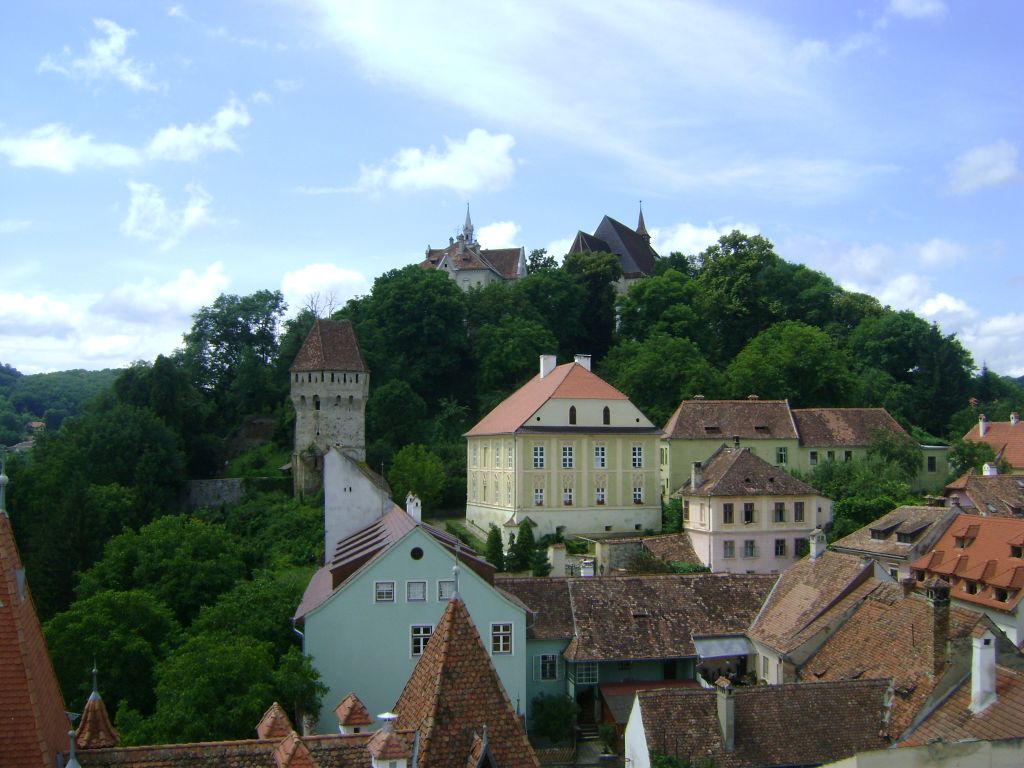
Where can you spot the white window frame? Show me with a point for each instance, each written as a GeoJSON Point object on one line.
{"type": "Point", "coordinates": [567, 496]}
{"type": "Point", "coordinates": [750, 548]}
{"type": "Point", "coordinates": [538, 497]}
{"type": "Point", "coordinates": [638, 457]}
{"type": "Point", "coordinates": [380, 591]}
{"type": "Point", "coordinates": [782, 455]}
{"type": "Point", "coordinates": [419, 635]}
{"type": "Point", "coordinates": [538, 457]}
{"type": "Point", "coordinates": [568, 457]}
{"type": "Point", "coordinates": [728, 513]}
{"type": "Point", "coordinates": [798, 511]}
{"type": "Point", "coordinates": [638, 494]}
{"type": "Point", "coordinates": [599, 495]}
{"type": "Point", "coordinates": [600, 457]}
{"type": "Point", "coordinates": [587, 673]}
{"type": "Point", "coordinates": [445, 589]}
{"type": "Point", "coordinates": [783, 553]}
{"type": "Point", "coordinates": [501, 638]}
{"type": "Point", "coordinates": [510, 457]}
{"type": "Point", "coordinates": [409, 585]}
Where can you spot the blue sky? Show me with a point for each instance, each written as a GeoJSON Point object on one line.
{"type": "Point", "coordinates": [154, 155]}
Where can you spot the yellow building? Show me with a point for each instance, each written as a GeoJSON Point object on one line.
{"type": "Point", "coordinates": [567, 450]}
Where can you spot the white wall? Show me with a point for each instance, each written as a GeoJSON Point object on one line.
{"type": "Point", "coordinates": [636, 755]}
{"type": "Point", "coordinates": [351, 499]}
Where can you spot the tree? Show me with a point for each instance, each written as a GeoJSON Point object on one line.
{"type": "Point", "coordinates": [506, 353]}
{"type": "Point", "coordinates": [560, 300]}
{"type": "Point", "coordinates": [661, 304]}
{"type": "Point", "coordinates": [520, 554]}
{"type": "Point", "coordinates": [396, 414]}
{"type": "Point", "coordinates": [597, 273]}
{"type": "Point", "coordinates": [898, 451]}
{"type": "Point", "coordinates": [540, 261]}
{"type": "Point", "coordinates": [417, 470]}
{"type": "Point", "coordinates": [539, 563]}
{"type": "Point", "coordinates": [554, 716]}
{"type": "Point", "coordinates": [493, 549]}
{"type": "Point", "coordinates": [969, 456]}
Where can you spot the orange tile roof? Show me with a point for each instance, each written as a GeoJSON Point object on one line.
{"type": "Point", "coordinates": [454, 693]}
{"type": "Point", "coordinates": [352, 711]}
{"type": "Point", "coordinates": [569, 381]}
{"type": "Point", "coordinates": [1006, 439]}
{"type": "Point", "coordinates": [94, 729]}
{"type": "Point", "coordinates": [275, 723]}
{"type": "Point", "coordinates": [954, 721]}
{"type": "Point", "coordinates": [330, 346]}
{"type": "Point", "coordinates": [502, 261]}
{"type": "Point", "coordinates": [35, 727]}
{"type": "Point", "coordinates": [985, 560]}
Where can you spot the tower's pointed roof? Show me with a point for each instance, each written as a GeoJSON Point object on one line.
{"type": "Point", "coordinates": [330, 346]}
{"type": "Point", "coordinates": [94, 729]}
{"type": "Point", "coordinates": [641, 228]}
{"type": "Point", "coordinates": [351, 711]}
{"type": "Point", "coordinates": [35, 726]}
{"type": "Point", "coordinates": [467, 228]}
{"type": "Point", "coordinates": [454, 693]}
{"type": "Point", "coordinates": [275, 723]}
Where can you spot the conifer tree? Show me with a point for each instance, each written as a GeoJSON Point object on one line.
{"type": "Point", "coordinates": [520, 555]}
{"type": "Point", "coordinates": [493, 549]}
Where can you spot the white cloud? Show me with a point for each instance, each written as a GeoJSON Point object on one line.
{"type": "Point", "coordinates": [106, 58]}
{"type": "Point", "coordinates": [190, 142]}
{"type": "Point", "coordinates": [481, 162]}
{"type": "Point", "coordinates": [260, 97]}
{"type": "Point", "coordinates": [171, 302]}
{"type": "Point", "coordinates": [9, 226]}
{"type": "Point", "coordinates": [149, 217]}
{"type": "Point", "coordinates": [559, 248]}
{"type": "Point", "coordinates": [323, 279]}
{"type": "Point", "coordinates": [53, 146]}
{"type": "Point", "coordinates": [35, 315]}
{"type": "Point", "coordinates": [287, 86]}
{"type": "Point", "coordinates": [999, 342]}
{"type": "Point", "coordinates": [500, 234]}
{"type": "Point", "coordinates": [940, 253]}
{"type": "Point", "coordinates": [691, 239]}
{"type": "Point", "coordinates": [986, 166]}
{"type": "Point", "coordinates": [942, 305]}
{"type": "Point", "coordinates": [917, 9]}
{"type": "Point", "coordinates": [178, 12]}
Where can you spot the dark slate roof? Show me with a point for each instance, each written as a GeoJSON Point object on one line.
{"type": "Point", "coordinates": [724, 419]}
{"type": "Point", "coordinates": [843, 427]}
{"type": "Point", "coordinates": [641, 617]}
{"type": "Point", "coordinates": [454, 693]}
{"type": "Point", "coordinates": [774, 724]}
{"type": "Point", "coordinates": [738, 472]}
{"type": "Point", "coordinates": [881, 537]}
{"type": "Point", "coordinates": [330, 346]}
{"type": "Point", "coordinates": [634, 251]}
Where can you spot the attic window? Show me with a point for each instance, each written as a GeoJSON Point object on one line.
{"type": "Point", "coordinates": [961, 542]}
{"type": "Point", "coordinates": [908, 537]}
{"type": "Point", "coordinates": [991, 508]}
{"type": "Point", "coordinates": [760, 428]}
{"type": "Point", "coordinates": [712, 428]}
{"type": "Point", "coordinates": [1001, 595]}
{"type": "Point", "coordinates": [416, 553]}
{"type": "Point", "coordinates": [878, 534]}
{"type": "Point", "coordinates": [971, 587]}
{"type": "Point", "coordinates": [1016, 550]}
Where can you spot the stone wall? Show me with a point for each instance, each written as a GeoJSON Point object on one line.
{"type": "Point", "coordinates": [214, 493]}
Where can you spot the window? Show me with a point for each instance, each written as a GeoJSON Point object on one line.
{"type": "Point", "coordinates": [501, 638]}
{"type": "Point", "coordinates": [538, 457]}
{"type": "Point", "coordinates": [316, 402]}
{"type": "Point", "coordinates": [475, 449]}
{"type": "Point", "coordinates": [567, 457]}
{"type": "Point", "coordinates": [971, 587]}
{"type": "Point", "coordinates": [497, 457]}
{"type": "Point", "coordinates": [1016, 550]}
{"type": "Point", "coordinates": [638, 494]}
{"type": "Point", "coordinates": [599, 495]}
{"type": "Point", "coordinates": [764, 667]}
{"type": "Point", "coordinates": [686, 509]}
{"type": "Point", "coordinates": [894, 573]}
{"type": "Point", "coordinates": [729, 548]}
{"type": "Point", "coordinates": [567, 496]}
{"type": "Point", "coordinates": [780, 547]}
{"type": "Point", "coordinates": [445, 589]}
{"type": "Point", "coordinates": [420, 635]}
{"type": "Point", "coordinates": [748, 512]}
{"type": "Point", "coordinates": [814, 458]}
{"type": "Point", "coordinates": [510, 457]}
{"type": "Point", "coordinates": [779, 513]}
{"type": "Point", "coordinates": [508, 494]}
{"type": "Point", "coordinates": [545, 666]}
{"type": "Point", "coordinates": [798, 511]}
{"type": "Point", "coordinates": [847, 455]}
{"type": "Point", "coordinates": [606, 416]}
{"type": "Point", "coordinates": [1001, 595]}
{"type": "Point", "coordinates": [727, 513]}
{"type": "Point", "coordinates": [830, 455]}
{"type": "Point", "coordinates": [801, 547]}
{"type": "Point", "coordinates": [932, 464]}
{"type": "Point", "coordinates": [664, 455]}
{"type": "Point", "coordinates": [599, 457]}
{"type": "Point", "coordinates": [638, 456]}
{"type": "Point", "coordinates": [572, 414]}
{"type": "Point", "coordinates": [781, 455]}
{"type": "Point", "coordinates": [415, 591]}
{"type": "Point", "coordinates": [749, 548]}
{"type": "Point", "coordinates": [384, 592]}
{"type": "Point", "coordinates": [538, 497]}
{"type": "Point", "coordinates": [586, 673]}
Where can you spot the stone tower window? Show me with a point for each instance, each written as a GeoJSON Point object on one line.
{"type": "Point", "coordinates": [316, 402]}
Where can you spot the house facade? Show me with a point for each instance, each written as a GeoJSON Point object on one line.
{"type": "Point", "coordinates": [471, 266]}
{"type": "Point", "coordinates": [568, 451]}
{"type": "Point", "coordinates": [744, 515]}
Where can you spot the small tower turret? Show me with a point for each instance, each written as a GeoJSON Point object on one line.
{"type": "Point", "coordinates": [467, 228]}
{"type": "Point", "coordinates": [641, 228]}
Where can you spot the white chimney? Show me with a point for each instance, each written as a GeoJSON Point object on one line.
{"type": "Point", "coordinates": [414, 507]}
{"type": "Point", "coordinates": [547, 364]}
{"type": "Point", "coordinates": [583, 360]}
{"type": "Point", "coordinates": [556, 556]}
{"type": "Point", "coordinates": [726, 713]}
{"type": "Point", "coordinates": [988, 469]}
{"type": "Point", "coordinates": [818, 543]}
{"type": "Point", "coordinates": [696, 475]}
{"type": "Point", "coordinates": [983, 671]}
{"type": "Point", "coordinates": [1014, 419]}
{"type": "Point", "coordinates": [982, 425]}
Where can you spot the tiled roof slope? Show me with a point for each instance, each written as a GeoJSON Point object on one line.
{"type": "Point", "coordinates": [566, 381]}
{"type": "Point", "coordinates": [985, 560]}
{"type": "Point", "coordinates": [789, 724]}
{"type": "Point", "coordinates": [641, 617]}
{"type": "Point", "coordinates": [889, 637]}
{"type": "Point", "coordinates": [739, 472]}
{"type": "Point", "coordinates": [808, 596]}
{"type": "Point", "coordinates": [635, 253]}
{"type": "Point", "coordinates": [993, 495]}
{"type": "Point", "coordinates": [453, 693]}
{"type": "Point", "coordinates": [330, 346]}
{"type": "Point", "coordinates": [882, 536]}
{"type": "Point", "coordinates": [827, 427]}
{"type": "Point", "coordinates": [502, 261]}
{"type": "Point", "coordinates": [94, 728]}
{"type": "Point", "coordinates": [35, 728]}
{"type": "Point", "coordinates": [1006, 439]}
{"type": "Point", "coordinates": [724, 419]}
{"type": "Point", "coordinates": [275, 723]}
{"type": "Point", "coordinates": [351, 711]}
{"type": "Point", "coordinates": [672, 547]}
{"type": "Point", "coordinates": [954, 721]}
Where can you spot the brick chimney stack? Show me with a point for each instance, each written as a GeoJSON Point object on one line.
{"type": "Point", "coordinates": [937, 592]}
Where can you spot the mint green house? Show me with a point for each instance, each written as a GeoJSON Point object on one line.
{"type": "Point", "coordinates": [367, 615]}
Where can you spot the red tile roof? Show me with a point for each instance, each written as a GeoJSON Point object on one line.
{"type": "Point", "coordinates": [386, 744]}
{"type": "Point", "coordinates": [739, 472]}
{"type": "Point", "coordinates": [569, 381]}
{"type": "Point", "coordinates": [35, 728]}
{"type": "Point", "coordinates": [922, 525]}
{"type": "Point", "coordinates": [275, 723]}
{"type": "Point", "coordinates": [843, 427]}
{"type": "Point", "coordinates": [351, 711]}
{"type": "Point", "coordinates": [504, 262]}
{"type": "Point", "coordinates": [724, 419]}
{"type": "Point", "coordinates": [991, 495]}
{"type": "Point", "coordinates": [330, 346]}
{"type": "Point", "coordinates": [672, 547]}
{"type": "Point", "coordinates": [1006, 439]}
{"type": "Point", "coordinates": [985, 561]}
{"type": "Point", "coordinates": [94, 729]}
{"type": "Point", "coordinates": [454, 693]}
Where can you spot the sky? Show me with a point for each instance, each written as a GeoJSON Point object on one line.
{"type": "Point", "coordinates": [155, 155]}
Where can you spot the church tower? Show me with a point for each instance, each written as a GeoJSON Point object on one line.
{"type": "Point", "coordinates": [329, 386]}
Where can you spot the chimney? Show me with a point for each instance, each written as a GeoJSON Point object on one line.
{"type": "Point", "coordinates": [414, 507]}
{"type": "Point", "coordinates": [583, 360]}
{"type": "Point", "coordinates": [1014, 419]}
{"type": "Point", "coordinates": [908, 585]}
{"type": "Point", "coordinates": [989, 469]}
{"type": "Point", "coordinates": [698, 397]}
{"type": "Point", "coordinates": [983, 671]}
{"type": "Point", "coordinates": [818, 543]}
{"type": "Point", "coordinates": [696, 475]}
{"type": "Point", "coordinates": [753, 397]}
{"type": "Point", "coordinates": [547, 364]}
{"type": "Point", "coordinates": [726, 712]}
{"type": "Point", "coordinates": [937, 592]}
{"type": "Point", "coordinates": [735, 441]}
{"type": "Point", "coordinates": [982, 425]}
{"type": "Point", "coordinates": [556, 556]}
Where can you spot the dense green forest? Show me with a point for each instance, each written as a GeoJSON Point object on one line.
{"type": "Point", "coordinates": [179, 608]}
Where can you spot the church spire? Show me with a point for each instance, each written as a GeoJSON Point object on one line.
{"type": "Point", "coordinates": [641, 228]}
{"type": "Point", "coordinates": [467, 228]}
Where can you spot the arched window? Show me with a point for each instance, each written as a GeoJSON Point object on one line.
{"type": "Point", "coordinates": [572, 414]}
{"type": "Point", "coordinates": [316, 402]}
{"type": "Point", "coordinates": [606, 416]}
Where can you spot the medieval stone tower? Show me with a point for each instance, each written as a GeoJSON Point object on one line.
{"type": "Point", "coordinates": [329, 386]}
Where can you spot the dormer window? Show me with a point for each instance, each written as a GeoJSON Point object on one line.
{"type": "Point", "coordinates": [971, 587]}
{"type": "Point", "coordinates": [1016, 550]}
{"type": "Point", "coordinates": [961, 542]}
{"type": "Point", "coordinates": [1001, 595]}
{"type": "Point", "coordinates": [878, 534]}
